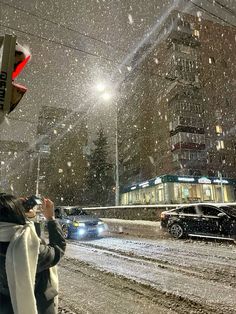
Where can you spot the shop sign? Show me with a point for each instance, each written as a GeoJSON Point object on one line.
{"type": "Point", "coordinates": [204, 180]}
{"type": "Point", "coordinates": [144, 184]}
{"type": "Point", "coordinates": [184, 179]}
{"type": "Point", "coordinates": [220, 181]}
{"type": "Point", "coordinates": [158, 180]}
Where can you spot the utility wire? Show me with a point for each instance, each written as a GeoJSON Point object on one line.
{"type": "Point", "coordinates": [60, 25]}
{"type": "Point", "coordinates": [61, 44]}
{"type": "Point", "coordinates": [222, 6]}
{"type": "Point", "coordinates": [211, 13]}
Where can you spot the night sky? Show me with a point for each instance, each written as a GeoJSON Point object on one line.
{"type": "Point", "coordinates": [74, 45]}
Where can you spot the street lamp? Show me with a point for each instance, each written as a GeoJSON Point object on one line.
{"type": "Point", "coordinates": [106, 96]}
{"type": "Point", "coordinates": [2, 179]}
{"type": "Point", "coordinates": [221, 187]}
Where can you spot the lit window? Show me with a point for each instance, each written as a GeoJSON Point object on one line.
{"type": "Point", "coordinates": [196, 33]}
{"type": "Point", "coordinates": [219, 129]}
{"type": "Point", "coordinates": [220, 145]}
{"type": "Point", "coordinates": [211, 60]}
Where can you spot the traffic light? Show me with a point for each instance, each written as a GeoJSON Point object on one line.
{"type": "Point", "coordinates": [13, 58]}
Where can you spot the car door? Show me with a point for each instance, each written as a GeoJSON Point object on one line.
{"type": "Point", "coordinates": [189, 217]}
{"type": "Point", "coordinates": [210, 221]}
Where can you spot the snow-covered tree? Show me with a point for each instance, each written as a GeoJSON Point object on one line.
{"type": "Point", "coordinates": [99, 181]}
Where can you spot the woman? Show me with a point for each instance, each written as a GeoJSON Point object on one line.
{"type": "Point", "coordinates": [28, 281]}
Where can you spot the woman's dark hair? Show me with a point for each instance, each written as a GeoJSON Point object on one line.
{"type": "Point", "coordinates": [11, 209]}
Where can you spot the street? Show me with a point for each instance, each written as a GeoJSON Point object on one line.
{"type": "Point", "coordinates": [131, 275]}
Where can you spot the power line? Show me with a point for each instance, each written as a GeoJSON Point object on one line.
{"type": "Point", "coordinates": [222, 7]}
{"type": "Point", "coordinates": [211, 13]}
{"type": "Point", "coordinates": [61, 25]}
{"type": "Point", "coordinates": [61, 44]}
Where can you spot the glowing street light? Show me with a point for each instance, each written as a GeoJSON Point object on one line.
{"type": "Point", "coordinates": [106, 96]}
{"type": "Point", "coordinates": [101, 87]}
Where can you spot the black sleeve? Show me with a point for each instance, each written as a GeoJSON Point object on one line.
{"type": "Point", "coordinates": [50, 254]}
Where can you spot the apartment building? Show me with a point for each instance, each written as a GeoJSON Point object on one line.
{"type": "Point", "coordinates": [177, 113]}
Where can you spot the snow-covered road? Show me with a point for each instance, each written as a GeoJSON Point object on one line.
{"type": "Point", "coordinates": [194, 271]}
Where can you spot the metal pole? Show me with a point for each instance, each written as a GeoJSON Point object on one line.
{"type": "Point", "coordinates": [221, 187]}
{"type": "Point", "coordinates": [38, 171]}
{"type": "Point", "coordinates": [117, 200]}
{"type": "Point", "coordinates": [222, 190]}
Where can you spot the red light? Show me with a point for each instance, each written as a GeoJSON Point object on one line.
{"type": "Point", "coordinates": [19, 67]}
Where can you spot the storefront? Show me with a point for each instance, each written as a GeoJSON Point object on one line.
{"type": "Point", "coordinates": [170, 189]}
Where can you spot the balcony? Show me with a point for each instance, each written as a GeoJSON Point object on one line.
{"type": "Point", "coordinates": [188, 145]}
{"type": "Point", "coordinates": [187, 124]}
{"type": "Point", "coordinates": [185, 140]}
{"type": "Point", "coordinates": [183, 34]}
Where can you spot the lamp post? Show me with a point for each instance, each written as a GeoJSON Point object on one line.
{"type": "Point", "coordinates": [221, 186]}
{"type": "Point", "coordinates": [106, 96]}
{"type": "Point", "coordinates": [117, 200]}
{"type": "Point", "coordinates": [2, 179]}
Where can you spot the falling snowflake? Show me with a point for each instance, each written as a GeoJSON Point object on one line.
{"type": "Point", "coordinates": [131, 21]}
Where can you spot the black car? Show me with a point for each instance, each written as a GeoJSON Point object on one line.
{"type": "Point", "coordinates": [77, 223]}
{"type": "Point", "coordinates": [201, 220]}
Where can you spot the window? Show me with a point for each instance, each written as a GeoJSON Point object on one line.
{"type": "Point", "coordinates": [222, 159]}
{"type": "Point", "coordinates": [211, 60]}
{"type": "Point", "coordinates": [188, 210]}
{"type": "Point", "coordinates": [196, 33]}
{"type": "Point", "coordinates": [218, 130]}
{"type": "Point", "coordinates": [209, 210]}
{"type": "Point", "coordinates": [220, 145]}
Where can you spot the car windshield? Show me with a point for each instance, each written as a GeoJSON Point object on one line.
{"type": "Point", "coordinates": [229, 210]}
{"type": "Point", "coordinates": [75, 212]}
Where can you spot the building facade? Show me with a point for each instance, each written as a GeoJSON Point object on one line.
{"type": "Point", "coordinates": [172, 189]}
{"type": "Point", "coordinates": [177, 113]}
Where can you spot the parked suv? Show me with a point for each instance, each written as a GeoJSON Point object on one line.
{"type": "Point", "coordinates": [202, 220]}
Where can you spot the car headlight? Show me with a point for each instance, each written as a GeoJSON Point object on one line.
{"type": "Point", "coordinates": [81, 224]}
{"type": "Point", "coordinates": [100, 223]}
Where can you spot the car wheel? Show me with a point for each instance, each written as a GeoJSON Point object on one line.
{"type": "Point", "coordinates": [66, 232]}
{"type": "Point", "coordinates": [176, 230]}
